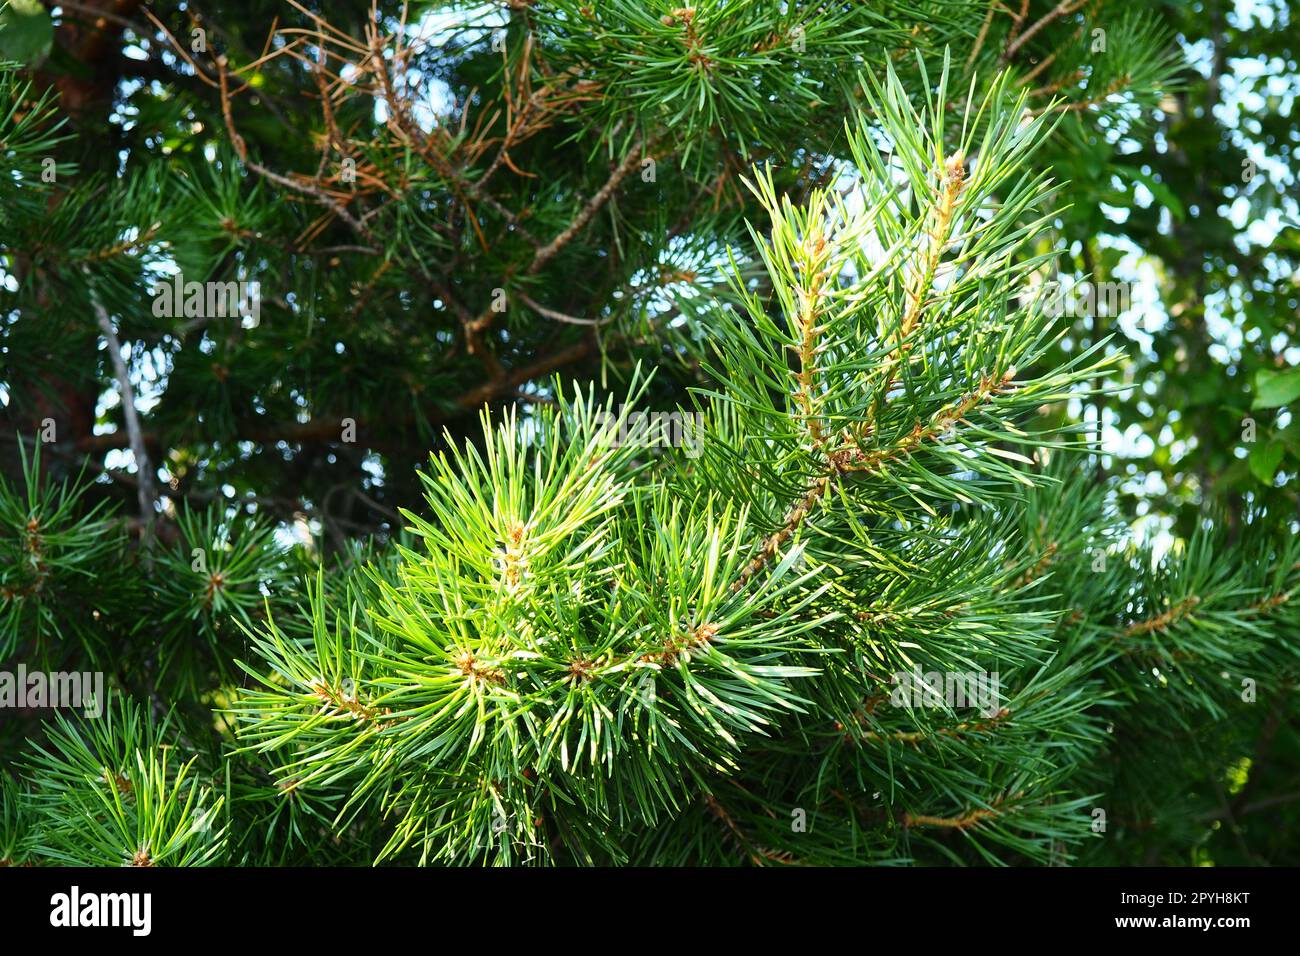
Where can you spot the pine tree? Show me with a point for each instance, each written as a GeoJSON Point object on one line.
{"type": "Point", "coordinates": [757, 527]}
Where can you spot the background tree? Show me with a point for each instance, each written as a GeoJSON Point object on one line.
{"type": "Point", "coordinates": [444, 207]}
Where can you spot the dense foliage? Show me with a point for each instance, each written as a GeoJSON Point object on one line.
{"type": "Point", "coordinates": [924, 569]}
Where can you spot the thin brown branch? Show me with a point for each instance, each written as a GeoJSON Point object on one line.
{"type": "Point", "coordinates": [1064, 8]}
{"type": "Point", "coordinates": [983, 34]}
{"type": "Point", "coordinates": [589, 209]}
{"type": "Point", "coordinates": [965, 821]}
{"type": "Point", "coordinates": [854, 458]}
{"type": "Point", "coordinates": [306, 189]}
{"type": "Point", "coordinates": [1115, 86]}
{"type": "Point", "coordinates": [1162, 622]}
{"type": "Point", "coordinates": [555, 313]}
{"type": "Point", "coordinates": [917, 737]}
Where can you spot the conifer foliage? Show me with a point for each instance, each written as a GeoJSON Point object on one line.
{"type": "Point", "coordinates": [384, 567]}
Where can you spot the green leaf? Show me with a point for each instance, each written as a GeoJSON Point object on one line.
{"type": "Point", "coordinates": [1290, 437]}
{"type": "Point", "coordinates": [1264, 459]}
{"type": "Point", "coordinates": [1276, 388]}
{"type": "Point", "coordinates": [26, 33]}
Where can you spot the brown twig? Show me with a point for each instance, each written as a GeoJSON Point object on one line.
{"type": "Point", "coordinates": [855, 459]}
{"type": "Point", "coordinates": [1064, 8]}
{"type": "Point", "coordinates": [965, 821]}
{"type": "Point", "coordinates": [1162, 622]}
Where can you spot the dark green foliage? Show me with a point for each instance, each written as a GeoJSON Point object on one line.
{"type": "Point", "coordinates": [355, 625]}
{"type": "Point", "coordinates": [117, 782]}
{"type": "Point", "coordinates": [55, 551]}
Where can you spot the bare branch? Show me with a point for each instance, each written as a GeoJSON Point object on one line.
{"type": "Point", "coordinates": [146, 491]}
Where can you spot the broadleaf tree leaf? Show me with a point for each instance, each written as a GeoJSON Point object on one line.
{"type": "Point", "coordinates": [1264, 459]}
{"type": "Point", "coordinates": [1276, 388]}
{"type": "Point", "coordinates": [26, 33]}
